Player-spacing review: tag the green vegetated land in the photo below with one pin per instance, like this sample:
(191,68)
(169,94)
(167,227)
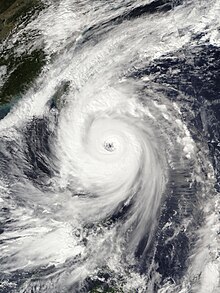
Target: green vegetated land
(11,12)
(21,70)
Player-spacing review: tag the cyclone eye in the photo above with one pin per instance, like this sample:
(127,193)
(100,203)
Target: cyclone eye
(109,146)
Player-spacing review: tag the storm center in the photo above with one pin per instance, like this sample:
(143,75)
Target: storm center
(109,146)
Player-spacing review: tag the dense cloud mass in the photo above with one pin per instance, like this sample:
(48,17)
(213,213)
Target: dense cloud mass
(109,158)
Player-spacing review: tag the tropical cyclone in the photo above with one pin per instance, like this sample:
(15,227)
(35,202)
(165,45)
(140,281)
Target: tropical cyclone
(111,183)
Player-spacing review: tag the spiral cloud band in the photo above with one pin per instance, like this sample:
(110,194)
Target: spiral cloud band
(108,179)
